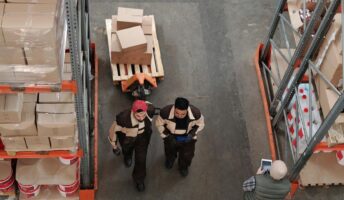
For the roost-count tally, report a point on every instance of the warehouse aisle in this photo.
(207, 51)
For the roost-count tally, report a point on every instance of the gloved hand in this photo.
(116, 151)
(192, 133)
(170, 139)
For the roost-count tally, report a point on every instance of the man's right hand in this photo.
(117, 151)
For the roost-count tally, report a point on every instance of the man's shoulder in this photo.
(123, 118)
(195, 111)
(165, 111)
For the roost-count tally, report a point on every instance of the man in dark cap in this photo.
(179, 125)
(133, 129)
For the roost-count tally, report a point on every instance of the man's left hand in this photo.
(260, 171)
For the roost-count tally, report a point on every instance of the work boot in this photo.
(169, 164)
(140, 186)
(184, 172)
(127, 162)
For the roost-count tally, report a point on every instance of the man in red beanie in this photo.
(133, 128)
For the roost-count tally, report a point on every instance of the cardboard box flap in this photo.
(132, 38)
(5, 169)
(56, 108)
(46, 171)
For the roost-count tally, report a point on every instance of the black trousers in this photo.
(184, 150)
(138, 144)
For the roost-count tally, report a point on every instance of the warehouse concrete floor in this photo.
(207, 51)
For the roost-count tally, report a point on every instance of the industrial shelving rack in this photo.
(83, 57)
(278, 92)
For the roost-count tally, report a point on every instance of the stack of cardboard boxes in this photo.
(330, 61)
(131, 37)
(32, 41)
(48, 125)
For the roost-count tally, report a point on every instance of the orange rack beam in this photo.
(322, 146)
(265, 104)
(39, 154)
(68, 86)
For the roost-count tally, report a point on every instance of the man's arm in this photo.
(161, 126)
(249, 185)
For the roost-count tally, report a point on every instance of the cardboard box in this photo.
(131, 57)
(44, 56)
(129, 17)
(45, 171)
(11, 106)
(37, 74)
(132, 39)
(33, 9)
(327, 99)
(56, 124)
(66, 142)
(14, 143)
(11, 56)
(56, 97)
(331, 66)
(33, 1)
(129, 11)
(29, 24)
(37, 143)
(30, 98)
(27, 126)
(147, 25)
(62, 108)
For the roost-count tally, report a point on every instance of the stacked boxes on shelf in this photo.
(54, 116)
(32, 41)
(56, 119)
(131, 37)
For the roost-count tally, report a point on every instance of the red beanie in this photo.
(139, 105)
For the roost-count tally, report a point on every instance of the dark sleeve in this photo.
(151, 110)
(196, 112)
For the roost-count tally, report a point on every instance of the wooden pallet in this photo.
(122, 72)
(322, 169)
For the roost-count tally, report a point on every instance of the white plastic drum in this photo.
(6, 177)
(29, 191)
(68, 190)
(340, 157)
(68, 160)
